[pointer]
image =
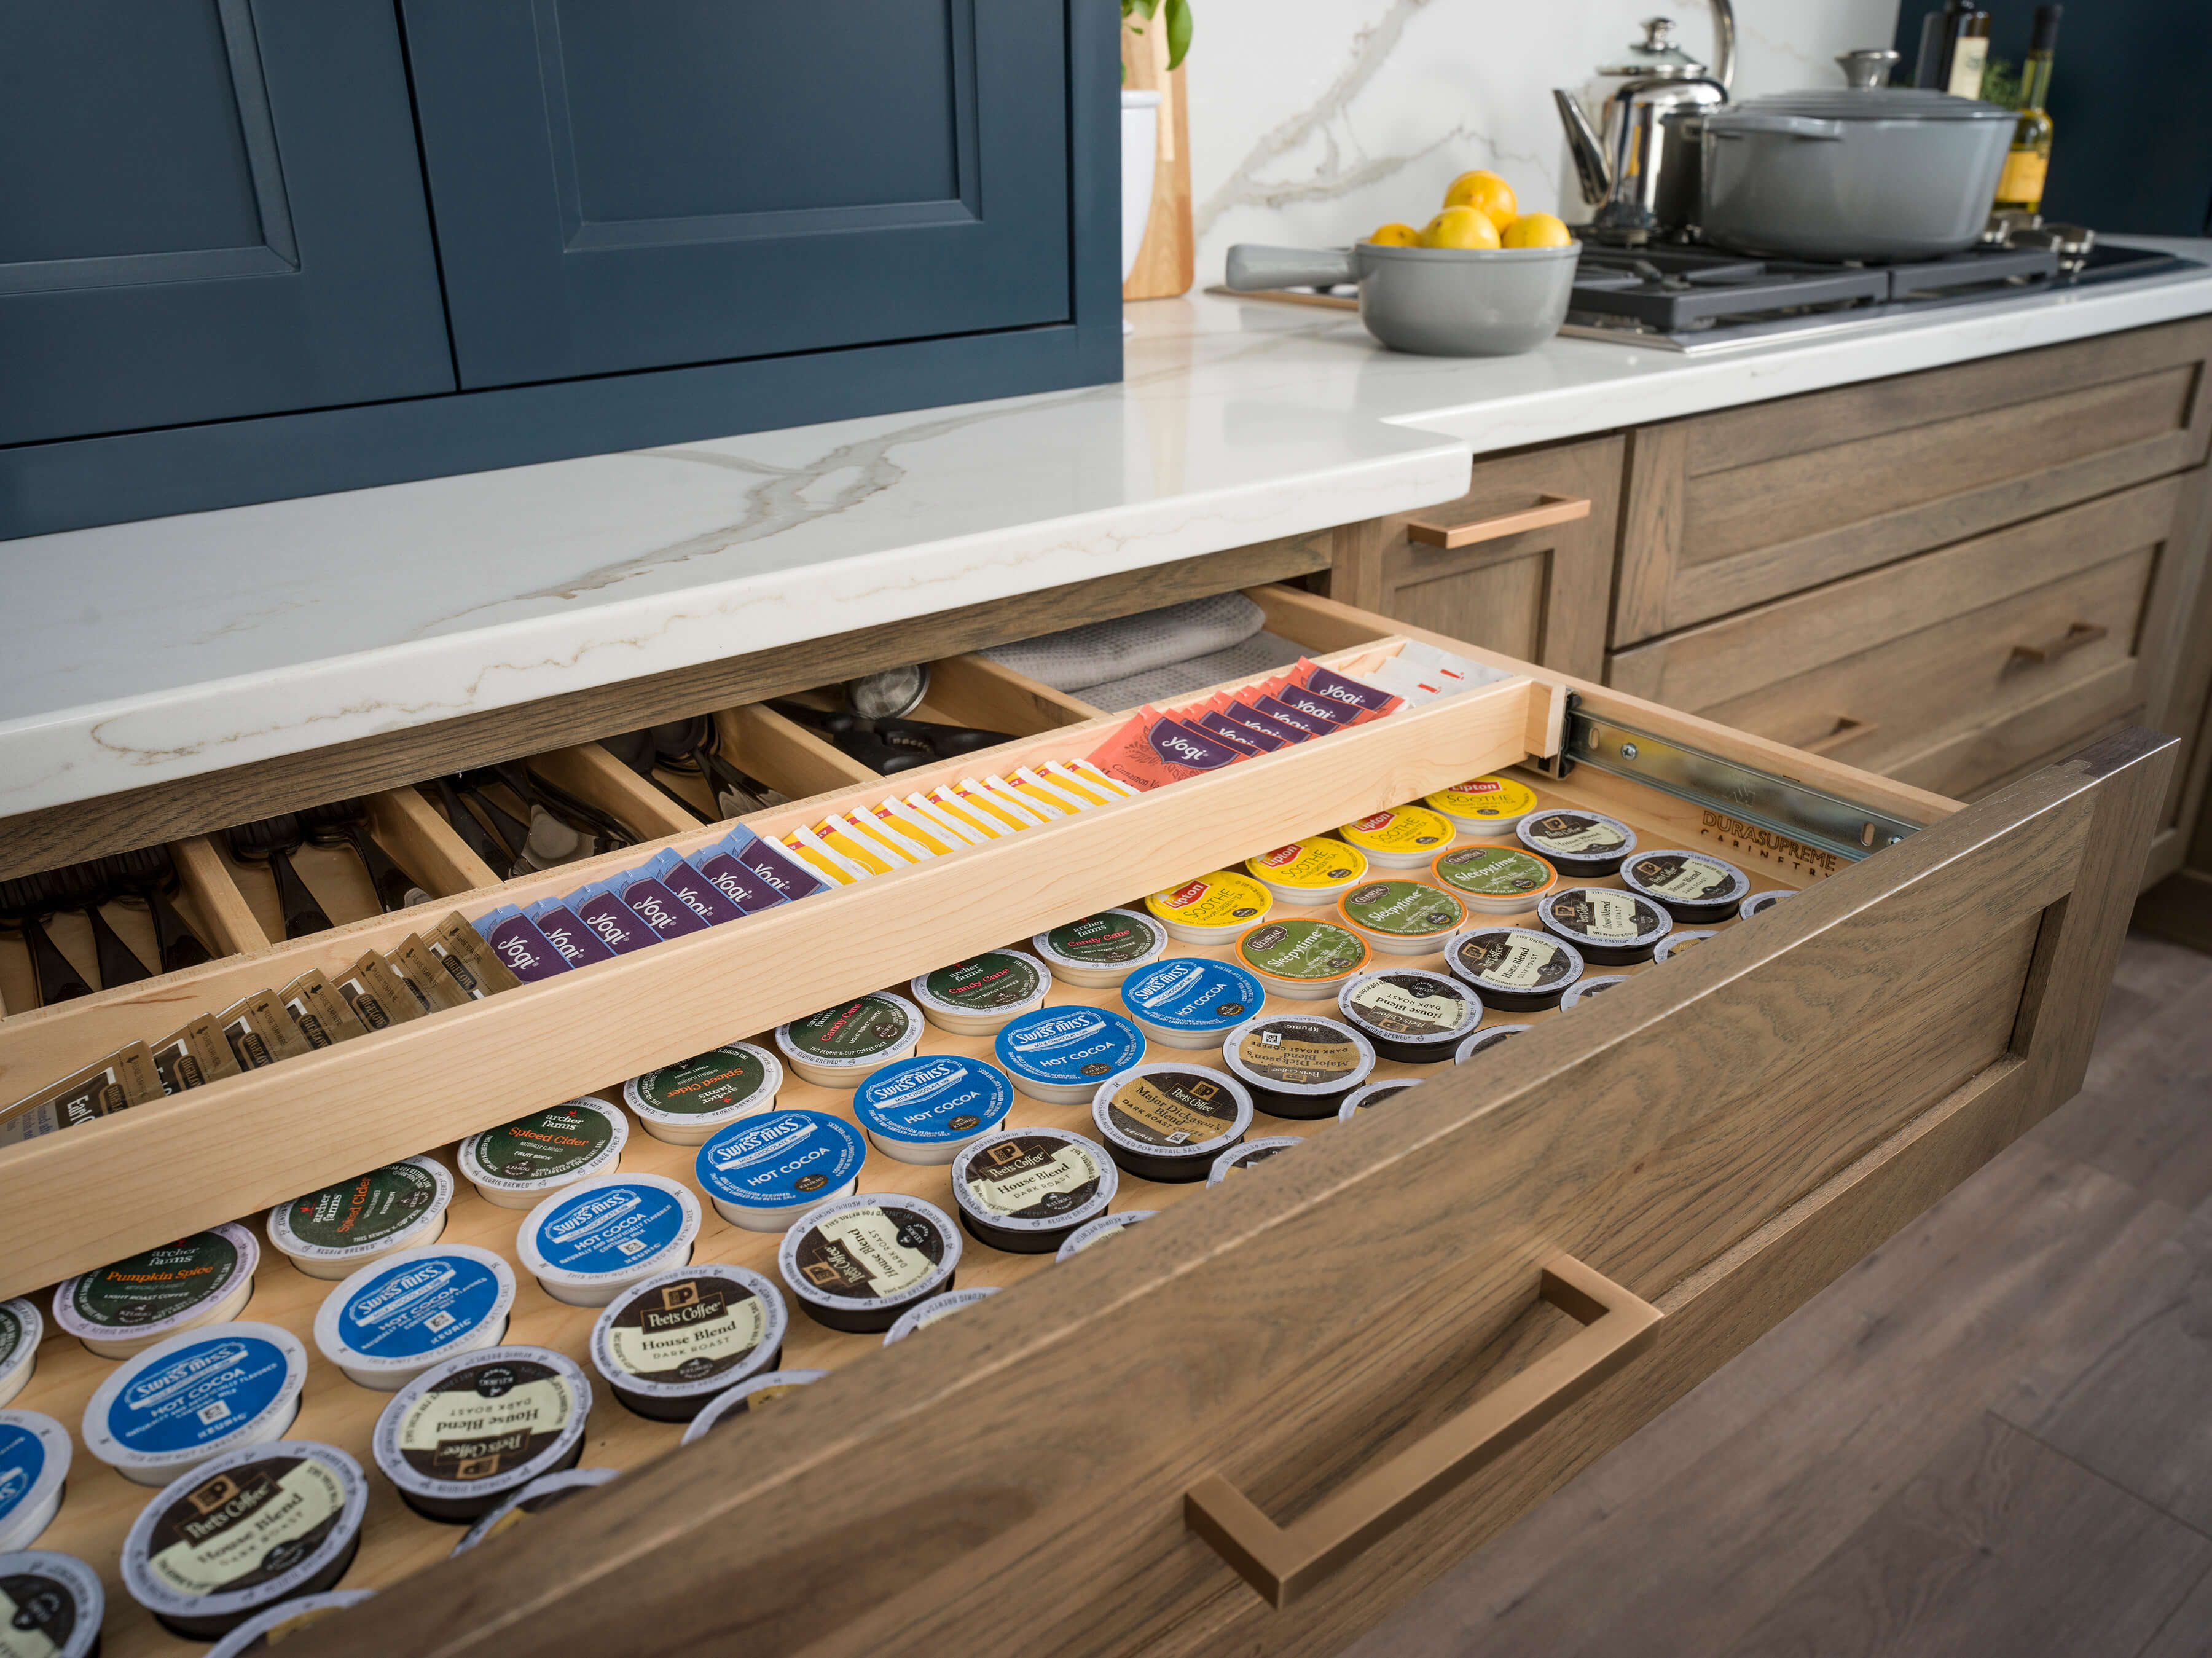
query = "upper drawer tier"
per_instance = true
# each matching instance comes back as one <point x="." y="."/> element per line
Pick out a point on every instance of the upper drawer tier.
<point x="1730" y="509"/>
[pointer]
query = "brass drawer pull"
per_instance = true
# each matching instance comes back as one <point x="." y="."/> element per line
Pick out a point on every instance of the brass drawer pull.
<point x="1549" y="509"/>
<point x="2080" y="634"/>
<point x="1847" y="730"/>
<point x="1283" y="1562"/>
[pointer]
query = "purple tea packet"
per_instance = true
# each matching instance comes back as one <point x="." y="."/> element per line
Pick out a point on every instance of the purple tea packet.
<point x="669" y="916"/>
<point x="579" y="946"/>
<point x="1311" y="724"/>
<point x="701" y="897"/>
<point x="515" y="938"/>
<point x="1245" y="714"/>
<point x="1318" y="708"/>
<point x="618" y="926"/>
<point x="1236" y="736"/>
<point x="769" y="866"/>
<point x="1365" y="701"/>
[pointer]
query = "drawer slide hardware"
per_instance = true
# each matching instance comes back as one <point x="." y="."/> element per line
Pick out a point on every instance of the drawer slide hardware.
<point x="1788" y="808"/>
<point x="1284" y="1562"/>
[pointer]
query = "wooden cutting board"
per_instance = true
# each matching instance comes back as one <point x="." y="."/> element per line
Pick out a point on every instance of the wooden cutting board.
<point x="1168" y="261"/>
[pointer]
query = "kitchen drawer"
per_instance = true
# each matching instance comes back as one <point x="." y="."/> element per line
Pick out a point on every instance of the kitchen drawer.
<point x="1938" y="670"/>
<point x="1021" y="1479"/>
<point x="1522" y="563"/>
<point x="1730" y="509"/>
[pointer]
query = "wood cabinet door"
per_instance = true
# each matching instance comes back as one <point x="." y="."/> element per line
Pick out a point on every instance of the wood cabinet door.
<point x="1539" y="593"/>
<point x="686" y="181"/>
<point x="210" y="209"/>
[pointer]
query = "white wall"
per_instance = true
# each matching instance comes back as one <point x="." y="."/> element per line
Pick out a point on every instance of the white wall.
<point x="1313" y="121"/>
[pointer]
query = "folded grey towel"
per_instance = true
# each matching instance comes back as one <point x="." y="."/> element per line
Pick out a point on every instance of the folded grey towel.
<point x="1077" y="659"/>
<point x="1241" y="664"/>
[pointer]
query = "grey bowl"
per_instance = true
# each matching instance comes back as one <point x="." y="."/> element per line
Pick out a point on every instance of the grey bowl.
<point x="1437" y="302"/>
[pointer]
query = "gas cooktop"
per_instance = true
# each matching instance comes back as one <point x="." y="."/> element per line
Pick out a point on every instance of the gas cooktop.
<point x="1698" y="300"/>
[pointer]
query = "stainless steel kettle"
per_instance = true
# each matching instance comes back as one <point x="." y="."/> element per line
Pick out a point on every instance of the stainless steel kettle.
<point x="1642" y="175"/>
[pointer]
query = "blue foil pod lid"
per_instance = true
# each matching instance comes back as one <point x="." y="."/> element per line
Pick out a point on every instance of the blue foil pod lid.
<point x="1192" y="993"/>
<point x="779" y="1158"/>
<point x="934" y="1099"/>
<point x="1069" y="1046"/>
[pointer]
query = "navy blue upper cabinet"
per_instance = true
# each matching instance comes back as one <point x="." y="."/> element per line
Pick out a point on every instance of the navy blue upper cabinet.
<point x="210" y="208"/>
<point x="667" y="182"/>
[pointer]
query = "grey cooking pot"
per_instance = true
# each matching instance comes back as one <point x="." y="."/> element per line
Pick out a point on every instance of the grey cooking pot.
<point x="1439" y="302"/>
<point x="1860" y="172"/>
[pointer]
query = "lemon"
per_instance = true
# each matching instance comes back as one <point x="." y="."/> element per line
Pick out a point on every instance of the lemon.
<point x="1459" y="226"/>
<point x="1538" y="230"/>
<point x="1488" y="194"/>
<point x="1396" y="235"/>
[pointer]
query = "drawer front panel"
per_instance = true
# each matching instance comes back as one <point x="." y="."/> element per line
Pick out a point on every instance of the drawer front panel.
<point x="1286" y="1330"/>
<point x="1731" y="509"/>
<point x="2108" y="547"/>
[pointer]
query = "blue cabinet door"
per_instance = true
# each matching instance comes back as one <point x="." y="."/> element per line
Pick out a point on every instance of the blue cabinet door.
<point x="666" y="182"/>
<point x="209" y="209"/>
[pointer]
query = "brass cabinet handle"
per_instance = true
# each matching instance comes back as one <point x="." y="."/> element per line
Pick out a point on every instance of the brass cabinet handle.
<point x="1549" y="509"/>
<point x="2080" y="634"/>
<point x="1284" y="1562"/>
<point x="1847" y="730"/>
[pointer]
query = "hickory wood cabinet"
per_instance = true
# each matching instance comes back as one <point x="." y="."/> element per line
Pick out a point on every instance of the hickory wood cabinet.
<point x="1950" y="578"/>
<point x="1256" y="1424"/>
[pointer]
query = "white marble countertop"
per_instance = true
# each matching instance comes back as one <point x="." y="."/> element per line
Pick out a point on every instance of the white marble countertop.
<point x="143" y="653"/>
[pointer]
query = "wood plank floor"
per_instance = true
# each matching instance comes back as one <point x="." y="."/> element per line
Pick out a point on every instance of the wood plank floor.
<point x="1994" y="1435"/>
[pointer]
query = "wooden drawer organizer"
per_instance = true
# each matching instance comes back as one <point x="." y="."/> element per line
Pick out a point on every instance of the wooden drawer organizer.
<point x="1021" y="1479"/>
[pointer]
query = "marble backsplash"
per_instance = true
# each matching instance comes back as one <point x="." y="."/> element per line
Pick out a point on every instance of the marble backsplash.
<point x="1313" y="121"/>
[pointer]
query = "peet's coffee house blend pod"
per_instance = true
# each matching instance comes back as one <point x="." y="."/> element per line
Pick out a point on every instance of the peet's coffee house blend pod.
<point x="1297" y="1064"/>
<point x="1583" y="989"/>
<point x="1579" y="844"/>
<point x="546" y="1492"/>
<point x="125" y="1308"/>
<point x="1368" y="1095"/>
<point x="1105" y="1226"/>
<point x="1169" y="1121"/>
<point x="1098" y="952"/>
<point x="841" y="1045"/>
<point x="1759" y="902"/>
<point x="1607" y="925"/>
<point x="1239" y="1159"/>
<point x="667" y="1345"/>
<point x="1417" y="1018"/>
<point x="1693" y="886"/>
<point x="686" y="1102"/>
<point x="1301" y="959"/>
<point x="736" y="1404"/>
<point x="1488" y="1040"/>
<point x="1514" y="969"/>
<point x="286" y="1618"/>
<point x="975" y="997"/>
<point x="1402" y="918"/>
<point x="518" y="1164"/>
<point x="933" y="1310"/>
<point x="244" y="1533"/>
<point x="857" y="1264"/>
<point x="332" y="1233"/>
<point x="1026" y="1190"/>
<point x="1496" y="880"/>
<point x="51" y="1606"/>
<point x="475" y="1429"/>
<point x="1675" y="943"/>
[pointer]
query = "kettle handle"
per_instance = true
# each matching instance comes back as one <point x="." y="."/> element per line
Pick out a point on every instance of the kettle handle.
<point x="1735" y="123"/>
<point x="1254" y="267"/>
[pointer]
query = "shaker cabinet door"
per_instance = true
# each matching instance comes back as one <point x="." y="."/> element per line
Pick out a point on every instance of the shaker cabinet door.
<point x="677" y="181"/>
<point x="210" y="209"/>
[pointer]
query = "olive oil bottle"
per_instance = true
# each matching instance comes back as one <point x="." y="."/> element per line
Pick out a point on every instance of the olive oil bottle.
<point x="2027" y="164"/>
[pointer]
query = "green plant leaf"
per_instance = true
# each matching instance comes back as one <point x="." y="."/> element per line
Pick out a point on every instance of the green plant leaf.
<point x="1178" y="31"/>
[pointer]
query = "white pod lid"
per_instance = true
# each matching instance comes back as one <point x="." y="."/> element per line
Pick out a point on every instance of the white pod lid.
<point x="992" y="986"/>
<point x="1604" y="918"/>
<point x="1304" y="1055"/>
<point x="1759" y="902"/>
<point x="1572" y="837"/>
<point x="937" y="1306"/>
<point x="396" y="1316"/>
<point x="1674" y="875"/>
<point x="688" y="1331"/>
<point x="544" y="1150"/>
<point x="1033" y="1180"/>
<point x="1488" y="1038"/>
<point x="34" y="1461"/>
<point x="747" y="1397"/>
<point x="21" y="1329"/>
<point x="196" y="1396"/>
<point x="1104" y="1227"/>
<point x="53" y="1598"/>
<point x="1239" y="1159"/>
<point x="934" y="1100"/>
<point x="870" y="1251"/>
<point x="1173" y="1108"/>
<point x="1675" y="943"/>
<point x="1583" y="989"/>
<point x="532" y="1400"/>
<point x="1503" y="961"/>
<point x="546" y="1491"/>
<point x="1409" y="1005"/>
<point x="780" y="1160"/>
<point x="737" y="1079"/>
<point x="280" y="1623"/>
<point x="366" y="1216"/>
<point x="201" y="1548"/>
<point x="1370" y="1095"/>
<point x="852" y="1037"/>
<point x="158" y="1291"/>
<point x="608" y="1231"/>
<point x="1102" y="948"/>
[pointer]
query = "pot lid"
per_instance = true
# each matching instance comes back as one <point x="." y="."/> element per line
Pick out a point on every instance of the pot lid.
<point x="1656" y="54"/>
<point x="1875" y="104"/>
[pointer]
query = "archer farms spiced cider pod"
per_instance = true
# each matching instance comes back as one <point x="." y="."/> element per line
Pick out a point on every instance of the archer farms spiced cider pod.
<point x="126" y="1307"/>
<point x="1514" y="969"/>
<point x="1167" y="1122"/>
<point x="475" y="1429"/>
<point x="1297" y="1064"/>
<point x="857" y="1264"/>
<point x="670" y="1343"/>
<point x="1026" y="1190"/>
<point x="841" y="1044"/>
<point x="517" y="1163"/>
<point x="1695" y="887"/>
<point x="1606" y="925"/>
<point x="686" y="1102"/>
<point x="331" y="1233"/>
<point x="1579" y="844"/>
